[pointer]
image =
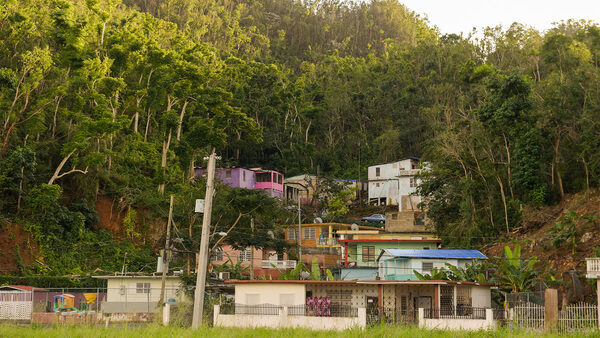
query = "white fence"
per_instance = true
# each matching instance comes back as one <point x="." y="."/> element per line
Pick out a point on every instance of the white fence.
<point x="16" y="305"/>
<point x="527" y="316"/>
<point x="578" y="317"/>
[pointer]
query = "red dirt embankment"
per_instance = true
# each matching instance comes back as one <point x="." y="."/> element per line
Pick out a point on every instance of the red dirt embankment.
<point x="535" y="240"/>
<point x="13" y="237"/>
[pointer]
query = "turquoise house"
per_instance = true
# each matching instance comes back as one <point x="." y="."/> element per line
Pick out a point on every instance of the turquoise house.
<point x="400" y="264"/>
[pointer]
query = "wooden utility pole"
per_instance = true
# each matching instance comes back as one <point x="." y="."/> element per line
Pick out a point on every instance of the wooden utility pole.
<point x="252" y="252"/>
<point x="165" y="257"/>
<point x="203" y="254"/>
<point x="300" y="229"/>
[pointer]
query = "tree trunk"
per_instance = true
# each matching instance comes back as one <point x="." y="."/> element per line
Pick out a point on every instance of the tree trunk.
<point x="561" y="190"/>
<point x="62" y="163"/>
<point x="508" y="167"/>
<point x="163" y="161"/>
<point x="147" y="126"/>
<point x="503" y="202"/>
<point x="185" y="103"/>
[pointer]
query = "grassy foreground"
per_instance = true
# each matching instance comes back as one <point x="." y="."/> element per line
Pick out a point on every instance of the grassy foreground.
<point x="156" y="331"/>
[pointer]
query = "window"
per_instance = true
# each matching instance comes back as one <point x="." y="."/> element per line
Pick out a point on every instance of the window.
<point x="403" y="305"/>
<point x="377" y="172"/>
<point x="309" y="233"/>
<point x="419" y="219"/>
<point x="280" y="179"/>
<point x="394" y="216"/>
<point x="217" y="255"/>
<point x="377" y="185"/>
<point x="245" y="255"/>
<point x="227" y="173"/>
<point x="263" y="177"/>
<point x="413" y="182"/>
<point x="244" y="176"/>
<point x="426" y="267"/>
<point x="292" y="234"/>
<point x="142" y="287"/>
<point x="368" y="253"/>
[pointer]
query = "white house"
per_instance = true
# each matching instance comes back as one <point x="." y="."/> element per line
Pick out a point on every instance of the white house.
<point x="135" y="294"/>
<point x="400" y="264"/>
<point x="393" y="183"/>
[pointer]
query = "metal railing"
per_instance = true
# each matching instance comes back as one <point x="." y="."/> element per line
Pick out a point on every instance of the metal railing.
<point x="327" y="241"/>
<point x="333" y="310"/>
<point x="278" y="264"/>
<point x="459" y="312"/>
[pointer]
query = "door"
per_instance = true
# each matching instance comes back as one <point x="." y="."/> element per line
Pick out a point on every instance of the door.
<point x="372" y="310"/>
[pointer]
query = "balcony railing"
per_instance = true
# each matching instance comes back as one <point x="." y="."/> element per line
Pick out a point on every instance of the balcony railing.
<point x="593" y="267"/>
<point x="284" y="264"/>
<point x="327" y="241"/>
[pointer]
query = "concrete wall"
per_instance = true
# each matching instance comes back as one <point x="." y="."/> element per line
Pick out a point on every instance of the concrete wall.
<point x="268" y="293"/>
<point x="458" y="323"/>
<point x="285" y="321"/>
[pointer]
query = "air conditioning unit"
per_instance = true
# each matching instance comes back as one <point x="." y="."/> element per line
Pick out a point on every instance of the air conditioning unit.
<point x="224" y="275"/>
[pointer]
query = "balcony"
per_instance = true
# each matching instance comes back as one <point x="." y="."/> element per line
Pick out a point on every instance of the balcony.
<point x="593" y="268"/>
<point x="284" y="264"/>
<point x="327" y="242"/>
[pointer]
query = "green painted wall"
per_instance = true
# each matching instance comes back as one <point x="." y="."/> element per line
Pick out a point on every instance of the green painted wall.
<point x="355" y="250"/>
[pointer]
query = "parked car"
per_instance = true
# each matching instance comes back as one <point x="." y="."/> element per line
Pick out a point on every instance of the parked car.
<point x="375" y="218"/>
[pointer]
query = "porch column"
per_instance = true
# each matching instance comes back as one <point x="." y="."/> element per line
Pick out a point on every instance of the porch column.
<point x="346" y="255"/>
<point x="330" y="235"/>
<point x="436" y="301"/>
<point x="380" y="300"/>
<point x="454" y="298"/>
<point x="598" y="293"/>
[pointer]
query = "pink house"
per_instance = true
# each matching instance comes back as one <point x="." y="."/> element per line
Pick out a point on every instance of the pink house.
<point x="270" y="181"/>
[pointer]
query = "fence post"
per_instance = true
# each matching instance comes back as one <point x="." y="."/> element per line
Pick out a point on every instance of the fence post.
<point x="283" y="314"/>
<point x="598" y="293"/>
<point x="421" y="317"/>
<point x="166" y="314"/>
<point x="216" y="311"/>
<point x="550" y="309"/>
<point x="489" y="318"/>
<point x="362" y="317"/>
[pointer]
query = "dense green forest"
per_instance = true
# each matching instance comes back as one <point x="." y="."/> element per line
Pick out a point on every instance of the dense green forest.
<point x="122" y="99"/>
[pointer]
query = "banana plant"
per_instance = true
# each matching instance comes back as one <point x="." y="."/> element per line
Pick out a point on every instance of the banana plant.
<point x="515" y="273"/>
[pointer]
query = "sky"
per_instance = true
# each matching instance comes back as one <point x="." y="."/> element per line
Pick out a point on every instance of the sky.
<point x="456" y="16"/>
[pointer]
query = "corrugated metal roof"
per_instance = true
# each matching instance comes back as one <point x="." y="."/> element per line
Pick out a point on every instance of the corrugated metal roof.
<point x="440" y="253"/>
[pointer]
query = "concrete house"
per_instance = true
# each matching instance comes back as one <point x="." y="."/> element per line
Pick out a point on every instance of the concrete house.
<point x="362" y="247"/>
<point x="393" y="183"/>
<point x="137" y="294"/>
<point x="351" y="303"/>
<point x="400" y="264"/>
<point x="264" y="262"/>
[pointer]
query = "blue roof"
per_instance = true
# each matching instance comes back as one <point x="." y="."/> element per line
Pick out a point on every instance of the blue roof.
<point x="439" y="253"/>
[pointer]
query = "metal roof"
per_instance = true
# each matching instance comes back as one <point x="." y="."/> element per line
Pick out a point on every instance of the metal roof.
<point x="439" y="253"/>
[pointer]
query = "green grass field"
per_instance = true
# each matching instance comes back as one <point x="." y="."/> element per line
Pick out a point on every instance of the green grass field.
<point x="156" y="331"/>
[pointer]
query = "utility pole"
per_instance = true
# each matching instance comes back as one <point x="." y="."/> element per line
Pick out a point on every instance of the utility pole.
<point x="252" y="248"/>
<point x="203" y="254"/>
<point x="165" y="257"/>
<point x="300" y="229"/>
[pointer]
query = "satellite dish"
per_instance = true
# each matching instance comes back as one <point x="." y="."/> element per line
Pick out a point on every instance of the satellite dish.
<point x="318" y="220"/>
<point x="354" y="226"/>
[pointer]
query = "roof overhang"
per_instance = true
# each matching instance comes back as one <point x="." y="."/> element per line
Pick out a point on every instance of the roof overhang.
<point x="392" y="240"/>
<point x="134" y="277"/>
<point x="361" y="282"/>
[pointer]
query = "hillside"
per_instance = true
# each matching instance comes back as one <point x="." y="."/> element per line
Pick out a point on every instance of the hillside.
<point x="535" y="237"/>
